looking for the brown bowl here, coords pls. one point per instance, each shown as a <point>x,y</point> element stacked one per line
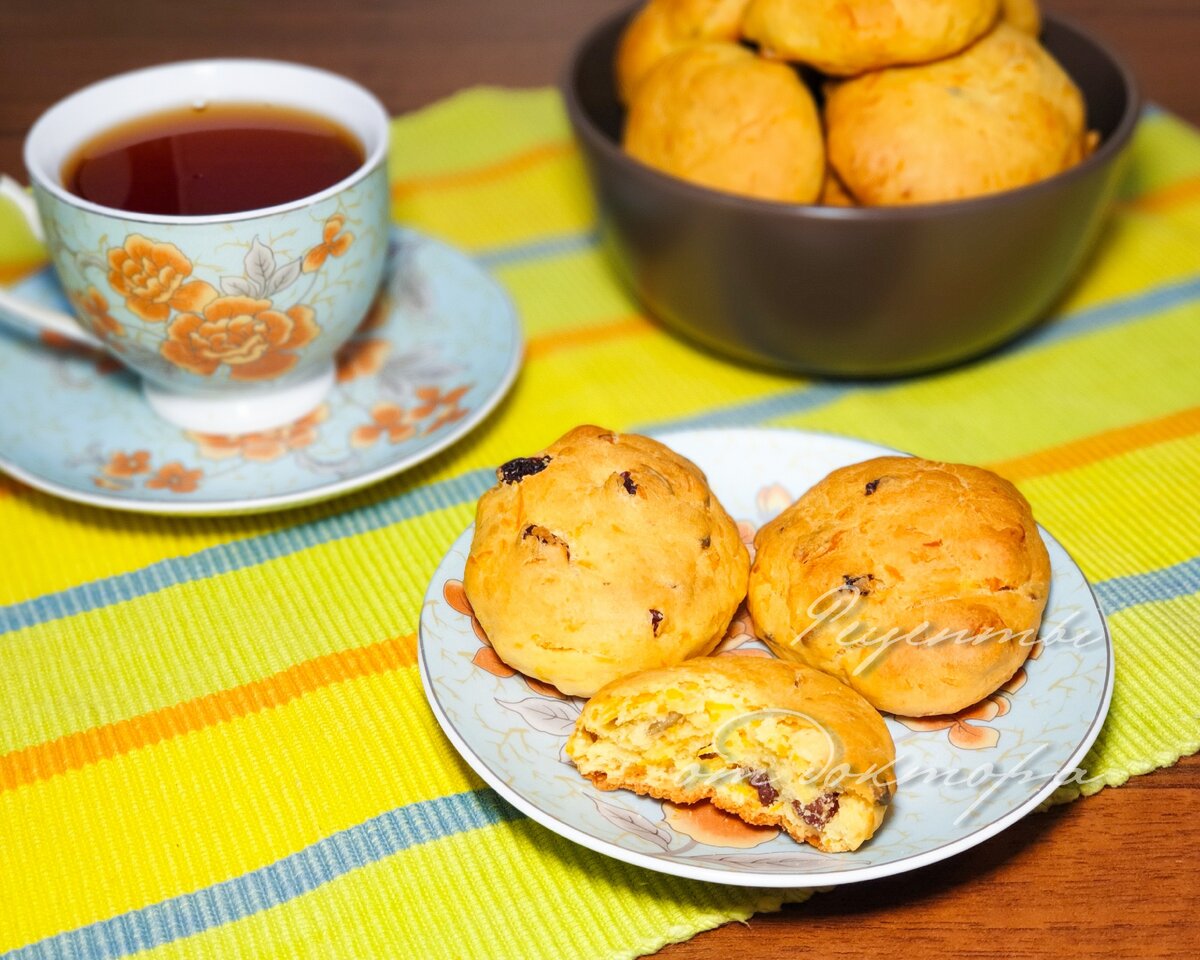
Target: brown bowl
<point>880,291</point>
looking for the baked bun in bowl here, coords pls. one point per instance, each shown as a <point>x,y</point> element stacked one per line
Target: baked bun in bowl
<point>850,290</point>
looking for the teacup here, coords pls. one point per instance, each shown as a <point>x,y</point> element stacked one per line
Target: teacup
<point>232,320</point>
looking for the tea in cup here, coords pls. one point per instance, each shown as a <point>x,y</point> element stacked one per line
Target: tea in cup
<point>219,226</point>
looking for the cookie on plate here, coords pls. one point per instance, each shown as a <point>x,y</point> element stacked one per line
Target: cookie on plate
<point>854,36</point>
<point>1000,115</point>
<point>717,115</point>
<point>773,742</point>
<point>920,584</point>
<point>663,26</point>
<point>603,554</point>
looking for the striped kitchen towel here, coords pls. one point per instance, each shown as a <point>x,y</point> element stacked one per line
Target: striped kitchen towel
<point>213,741</point>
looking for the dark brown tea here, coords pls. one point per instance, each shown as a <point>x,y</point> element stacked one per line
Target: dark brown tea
<point>219,158</point>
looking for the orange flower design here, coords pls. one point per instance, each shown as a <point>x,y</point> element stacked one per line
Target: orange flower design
<point>151,277</point>
<point>708,824</point>
<point>964,727</point>
<point>93,312</point>
<point>175,477</point>
<point>334,243</point>
<point>387,418</point>
<point>485,657</point>
<point>432,400</point>
<point>127,464</point>
<point>361,358</point>
<point>254,341</point>
<point>265,446</point>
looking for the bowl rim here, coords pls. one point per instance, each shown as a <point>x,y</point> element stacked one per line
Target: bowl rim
<point>1108,150</point>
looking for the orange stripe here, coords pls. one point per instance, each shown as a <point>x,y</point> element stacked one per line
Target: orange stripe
<point>516,163</point>
<point>44,760</point>
<point>1167,198</point>
<point>76,750</point>
<point>10,273</point>
<point>1101,446</point>
<point>585,336</point>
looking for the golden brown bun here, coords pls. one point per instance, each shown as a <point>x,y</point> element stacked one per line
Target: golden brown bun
<point>717,115</point>
<point>860,576</point>
<point>849,37</point>
<point>663,26</point>
<point>1000,115</point>
<point>603,554</point>
<point>1022,14</point>
<point>774,742</point>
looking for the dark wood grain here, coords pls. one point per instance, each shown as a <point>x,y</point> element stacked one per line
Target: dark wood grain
<point>411,52</point>
<point>1113,875</point>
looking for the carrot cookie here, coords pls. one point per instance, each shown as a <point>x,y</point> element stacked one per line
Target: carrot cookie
<point>718,116</point>
<point>601,555</point>
<point>920,584</point>
<point>773,742</point>
<point>853,36</point>
<point>1000,115</point>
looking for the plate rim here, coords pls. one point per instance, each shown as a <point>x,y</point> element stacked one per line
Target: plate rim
<point>251,505</point>
<point>751,878</point>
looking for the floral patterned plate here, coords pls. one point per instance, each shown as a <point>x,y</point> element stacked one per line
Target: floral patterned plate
<point>439,349</point>
<point>961,779</point>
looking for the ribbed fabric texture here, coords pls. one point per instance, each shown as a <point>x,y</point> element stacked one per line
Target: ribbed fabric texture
<point>213,741</point>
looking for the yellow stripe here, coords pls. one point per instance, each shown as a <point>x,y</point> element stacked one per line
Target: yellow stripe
<point>1100,446</point>
<point>1128,514</point>
<point>506,167</point>
<point>74,751</point>
<point>415,904</point>
<point>218,802</point>
<point>1014,405</point>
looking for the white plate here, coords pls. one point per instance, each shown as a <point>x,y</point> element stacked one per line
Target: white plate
<point>1016,746</point>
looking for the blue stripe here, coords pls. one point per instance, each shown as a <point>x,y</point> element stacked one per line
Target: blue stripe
<point>765,409</point>
<point>558,246</point>
<point>1179,580</point>
<point>269,886</point>
<point>238,554</point>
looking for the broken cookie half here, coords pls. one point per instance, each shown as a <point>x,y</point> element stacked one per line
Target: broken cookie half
<point>774,742</point>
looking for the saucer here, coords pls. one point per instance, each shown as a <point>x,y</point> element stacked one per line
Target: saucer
<point>439,349</point>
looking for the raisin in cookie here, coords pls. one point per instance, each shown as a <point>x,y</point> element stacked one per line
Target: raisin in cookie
<point>773,742</point>
<point>602,555</point>
<point>920,584</point>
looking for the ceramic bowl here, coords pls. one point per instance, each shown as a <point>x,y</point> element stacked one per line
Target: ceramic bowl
<point>861,292</point>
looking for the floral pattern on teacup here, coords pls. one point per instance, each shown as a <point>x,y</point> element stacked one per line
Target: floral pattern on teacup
<point>253,340</point>
<point>152,277</point>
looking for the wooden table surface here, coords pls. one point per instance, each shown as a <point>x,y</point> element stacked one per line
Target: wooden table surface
<point>1113,875</point>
